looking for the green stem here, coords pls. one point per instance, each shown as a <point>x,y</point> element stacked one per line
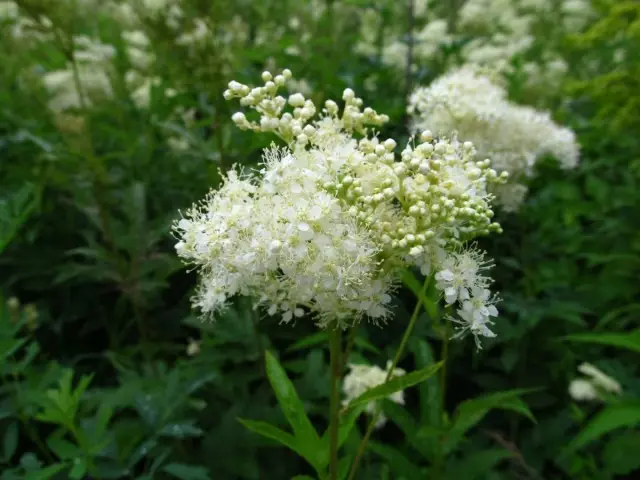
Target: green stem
<point>335,347</point>
<point>446,334</point>
<point>399,352</point>
<point>351,339</point>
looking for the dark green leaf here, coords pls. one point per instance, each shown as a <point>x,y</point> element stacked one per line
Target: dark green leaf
<point>186,472</point>
<point>629,341</point>
<point>610,418</point>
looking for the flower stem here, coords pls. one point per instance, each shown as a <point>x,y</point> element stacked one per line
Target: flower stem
<point>335,348</point>
<point>399,352</point>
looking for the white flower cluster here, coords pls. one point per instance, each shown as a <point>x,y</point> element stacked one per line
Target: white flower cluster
<point>93,60</point>
<point>331,220</point>
<point>592,387</point>
<point>476,107</point>
<point>491,33</point>
<point>364,377</point>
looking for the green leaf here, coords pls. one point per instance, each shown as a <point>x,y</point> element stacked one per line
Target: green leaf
<point>399,464</point>
<point>430,398</point>
<point>621,453</point>
<point>291,405</point>
<point>274,433</point>
<point>10,441</point>
<point>320,338</point>
<point>302,477</point>
<point>347,422</point>
<point>45,473</point>
<point>476,465</point>
<point>186,472</point>
<point>395,385</point>
<point>610,418</point>
<point>470,412</point>
<point>180,430</point>
<point>629,341</point>
<point>78,470</point>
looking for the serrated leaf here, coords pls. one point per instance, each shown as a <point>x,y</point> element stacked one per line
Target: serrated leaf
<point>291,405</point>
<point>628,341</point>
<point>610,418</point>
<point>186,472</point>
<point>395,385</point>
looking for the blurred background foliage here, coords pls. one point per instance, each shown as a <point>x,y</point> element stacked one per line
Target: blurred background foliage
<point>106,372</point>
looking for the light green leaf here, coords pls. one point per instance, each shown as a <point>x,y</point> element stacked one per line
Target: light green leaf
<point>629,341</point>
<point>186,472</point>
<point>476,465</point>
<point>291,405</point>
<point>274,433</point>
<point>395,385</point>
<point>302,477</point>
<point>610,418</point>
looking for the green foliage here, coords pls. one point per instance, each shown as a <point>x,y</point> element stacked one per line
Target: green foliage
<point>104,371</point>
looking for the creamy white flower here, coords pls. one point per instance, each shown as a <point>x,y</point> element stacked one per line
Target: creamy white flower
<point>364,377</point>
<point>582,390</point>
<point>328,225</point>
<point>599,378</point>
<point>514,137</point>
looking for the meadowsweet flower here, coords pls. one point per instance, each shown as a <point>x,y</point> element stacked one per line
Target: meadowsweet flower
<point>460,273</point>
<point>476,106</point>
<point>600,379</point>
<point>327,224</point>
<point>594,385</point>
<point>582,390</point>
<point>364,377</point>
<point>475,315</point>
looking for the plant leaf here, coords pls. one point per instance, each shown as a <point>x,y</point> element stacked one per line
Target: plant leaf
<point>320,338</point>
<point>610,418</point>
<point>394,385</point>
<point>476,465</point>
<point>274,433</point>
<point>291,405</point>
<point>629,341</point>
<point>471,412</point>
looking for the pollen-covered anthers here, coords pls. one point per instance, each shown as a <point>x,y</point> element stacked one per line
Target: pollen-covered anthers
<point>296,125</point>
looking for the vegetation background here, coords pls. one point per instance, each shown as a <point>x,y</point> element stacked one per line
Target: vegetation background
<point>107,373</point>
